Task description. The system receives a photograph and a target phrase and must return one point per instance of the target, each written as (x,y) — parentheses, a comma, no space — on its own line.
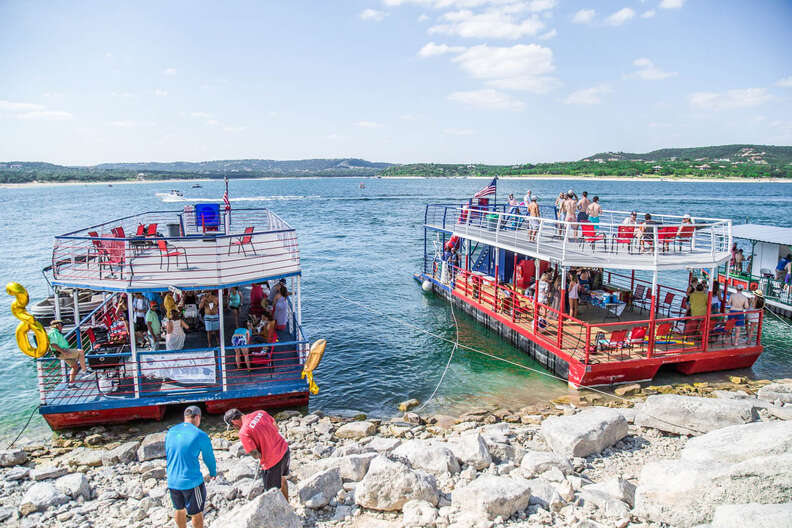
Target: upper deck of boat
(667,244)
(155,250)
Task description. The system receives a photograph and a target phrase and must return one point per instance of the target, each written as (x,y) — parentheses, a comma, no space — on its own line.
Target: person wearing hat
(259,435)
(739,304)
(74,357)
(183,444)
(153,325)
(631,220)
(752,318)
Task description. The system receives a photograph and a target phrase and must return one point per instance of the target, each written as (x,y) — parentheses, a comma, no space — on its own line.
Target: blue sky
(495,81)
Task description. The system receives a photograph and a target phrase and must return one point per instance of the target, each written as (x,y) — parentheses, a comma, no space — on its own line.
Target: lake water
(364,244)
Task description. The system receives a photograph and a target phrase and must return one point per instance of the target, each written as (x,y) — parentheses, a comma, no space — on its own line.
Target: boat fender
(28,323)
(426,285)
(314,357)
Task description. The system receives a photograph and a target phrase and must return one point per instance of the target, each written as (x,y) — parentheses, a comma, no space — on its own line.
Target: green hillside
(771,154)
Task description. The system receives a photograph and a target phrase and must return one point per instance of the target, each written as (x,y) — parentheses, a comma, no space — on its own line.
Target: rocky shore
(715,455)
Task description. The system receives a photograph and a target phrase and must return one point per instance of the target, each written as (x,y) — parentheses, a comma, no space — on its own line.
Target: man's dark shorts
(272,476)
(191,500)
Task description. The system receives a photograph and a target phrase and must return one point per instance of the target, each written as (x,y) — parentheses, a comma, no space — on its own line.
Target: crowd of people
(737,304)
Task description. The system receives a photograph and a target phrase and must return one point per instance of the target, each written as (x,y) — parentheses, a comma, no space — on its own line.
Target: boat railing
(667,243)
(595,342)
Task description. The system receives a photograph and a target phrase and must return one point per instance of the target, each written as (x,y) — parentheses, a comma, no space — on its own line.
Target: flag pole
(226,200)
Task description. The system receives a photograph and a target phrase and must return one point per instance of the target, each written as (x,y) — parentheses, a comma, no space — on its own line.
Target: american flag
(226,201)
(489,189)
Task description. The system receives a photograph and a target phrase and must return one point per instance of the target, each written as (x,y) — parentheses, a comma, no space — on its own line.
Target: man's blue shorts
(191,500)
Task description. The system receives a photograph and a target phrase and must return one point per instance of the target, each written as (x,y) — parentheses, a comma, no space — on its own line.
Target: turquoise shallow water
(364,244)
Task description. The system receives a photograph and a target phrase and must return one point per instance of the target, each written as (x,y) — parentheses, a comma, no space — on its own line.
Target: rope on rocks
(30,417)
(504,360)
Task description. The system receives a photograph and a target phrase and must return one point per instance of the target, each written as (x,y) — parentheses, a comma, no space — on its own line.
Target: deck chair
(168,252)
(590,234)
(625,235)
(722,330)
(639,297)
(241,242)
(669,299)
(685,235)
(666,235)
(617,341)
(96,249)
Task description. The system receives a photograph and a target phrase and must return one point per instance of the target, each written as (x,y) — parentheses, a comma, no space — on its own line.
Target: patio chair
(664,332)
(640,296)
(138,240)
(617,341)
(97,251)
(168,252)
(590,234)
(241,242)
(722,330)
(666,235)
(669,298)
(685,235)
(625,235)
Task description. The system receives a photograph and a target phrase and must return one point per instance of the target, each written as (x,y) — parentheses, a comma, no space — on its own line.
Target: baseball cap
(686,216)
(153,303)
(192,410)
(739,287)
(56,321)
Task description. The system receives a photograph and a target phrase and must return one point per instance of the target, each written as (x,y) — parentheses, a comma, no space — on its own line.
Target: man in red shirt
(259,435)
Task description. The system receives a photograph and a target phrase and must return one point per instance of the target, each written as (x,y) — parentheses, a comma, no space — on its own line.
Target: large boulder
(320,488)
(380,444)
(545,494)
(268,510)
(74,485)
(616,488)
(471,449)
(537,462)
(350,467)
(40,496)
(586,433)
(152,446)
(753,515)
(741,463)
(12,457)
(389,485)
(418,513)
(123,454)
(356,430)
(776,391)
(693,415)
(47,472)
(493,496)
(432,458)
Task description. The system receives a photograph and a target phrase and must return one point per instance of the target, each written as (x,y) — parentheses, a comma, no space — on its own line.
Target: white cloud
(432,50)
(373,14)
(335,137)
(423,17)
(128,124)
(659,125)
(169,71)
(160,93)
(523,5)
(369,124)
(588,96)
(671,4)
(547,36)
(46,115)
(10,106)
(584,16)
(541,5)
(32,111)
(730,99)
(519,67)
(125,95)
(213,122)
(409,117)
(649,14)
(200,115)
(786,82)
(494,23)
(620,17)
(488,98)
(648,71)
(229,128)
(458,132)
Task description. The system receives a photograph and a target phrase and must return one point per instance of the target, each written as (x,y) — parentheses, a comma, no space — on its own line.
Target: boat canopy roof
(763,233)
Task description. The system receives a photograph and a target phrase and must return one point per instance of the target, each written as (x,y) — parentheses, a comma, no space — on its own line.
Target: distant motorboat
(176,193)
(196,186)
(362,185)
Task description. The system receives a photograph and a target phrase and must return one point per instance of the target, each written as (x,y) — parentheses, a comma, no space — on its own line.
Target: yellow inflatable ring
(28,323)
(314,357)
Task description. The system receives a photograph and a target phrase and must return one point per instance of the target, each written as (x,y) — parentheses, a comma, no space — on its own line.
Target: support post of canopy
(632,288)
(652,315)
(497,259)
(514,287)
(222,338)
(133,345)
(706,330)
(76,301)
(298,309)
(57,302)
(725,287)
(562,306)
(537,268)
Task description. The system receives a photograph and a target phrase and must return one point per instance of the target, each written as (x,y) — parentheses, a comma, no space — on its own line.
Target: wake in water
(169,198)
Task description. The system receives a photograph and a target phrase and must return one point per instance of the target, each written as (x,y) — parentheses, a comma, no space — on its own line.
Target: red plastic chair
(685,234)
(151,231)
(590,234)
(617,341)
(141,230)
(242,241)
(664,331)
(640,296)
(665,235)
(626,235)
(637,335)
(166,252)
(669,298)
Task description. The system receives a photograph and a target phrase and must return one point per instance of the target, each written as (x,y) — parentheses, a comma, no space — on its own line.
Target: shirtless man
(594,210)
(533,223)
(582,207)
(211,310)
(569,207)
(739,304)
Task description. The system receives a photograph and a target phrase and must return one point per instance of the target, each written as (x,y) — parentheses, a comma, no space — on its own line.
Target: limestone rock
(470,449)
(269,509)
(47,472)
(616,488)
(356,430)
(418,513)
(493,496)
(123,454)
(408,404)
(753,515)
(152,446)
(12,457)
(585,433)
(351,467)
(389,485)
(537,462)
(432,458)
(383,445)
(627,390)
(320,488)
(236,450)
(240,471)
(545,494)
(782,413)
(74,485)
(776,391)
(17,473)
(678,414)
(40,496)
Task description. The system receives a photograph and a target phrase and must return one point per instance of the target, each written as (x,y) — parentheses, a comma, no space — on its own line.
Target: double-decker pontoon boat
(200,249)
(488,261)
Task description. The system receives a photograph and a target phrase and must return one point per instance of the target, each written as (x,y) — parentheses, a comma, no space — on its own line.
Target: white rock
(249,489)
(12,457)
(585,433)
(356,430)
(616,488)
(388,485)
(493,496)
(693,415)
(753,515)
(236,450)
(47,472)
(74,485)
(269,509)
(40,496)
(240,471)
(418,513)
(17,473)
(470,449)
(123,454)
(776,391)
(782,413)
(537,462)
(615,509)
(220,444)
(152,446)
(545,494)
(351,467)
(433,458)
(383,445)
(317,491)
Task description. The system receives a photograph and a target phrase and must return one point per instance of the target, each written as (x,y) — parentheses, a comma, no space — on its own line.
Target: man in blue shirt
(183,444)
